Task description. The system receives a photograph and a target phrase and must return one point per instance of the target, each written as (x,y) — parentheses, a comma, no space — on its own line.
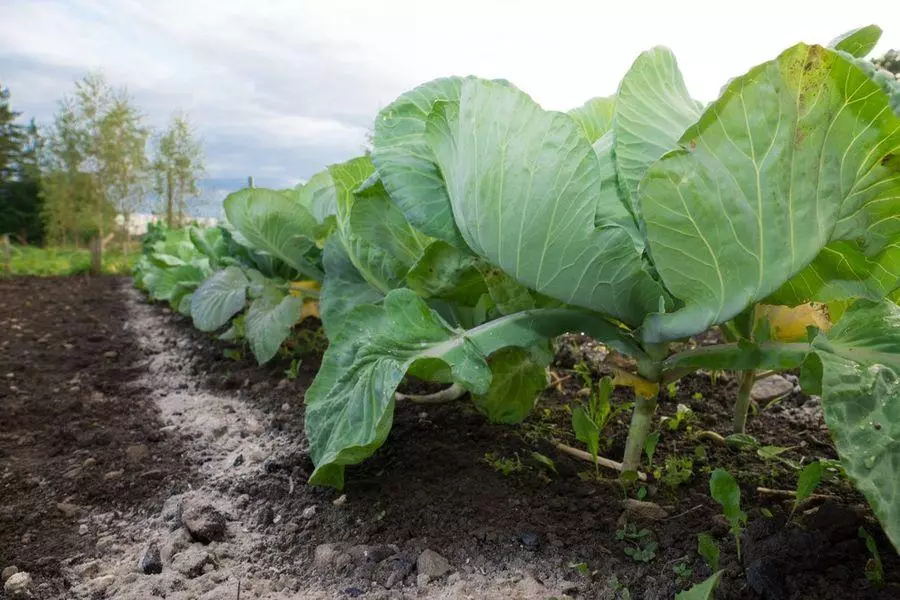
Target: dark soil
(69,432)
(432,485)
(436,483)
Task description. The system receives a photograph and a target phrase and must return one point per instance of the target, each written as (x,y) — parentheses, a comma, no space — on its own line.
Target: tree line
(66,182)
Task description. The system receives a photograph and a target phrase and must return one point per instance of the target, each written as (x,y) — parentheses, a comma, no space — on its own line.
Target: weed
(292,371)
(503,465)
(707,548)
(683,573)
(650,446)
(874,568)
(641,548)
(675,471)
(725,491)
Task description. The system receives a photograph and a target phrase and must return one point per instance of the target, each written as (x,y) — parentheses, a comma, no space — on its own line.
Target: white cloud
(285,87)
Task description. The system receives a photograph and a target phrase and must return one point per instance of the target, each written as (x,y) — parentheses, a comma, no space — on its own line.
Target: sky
(280,89)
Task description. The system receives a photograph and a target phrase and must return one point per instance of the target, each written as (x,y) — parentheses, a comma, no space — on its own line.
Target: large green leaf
(377,238)
(524,185)
(842,271)
(798,153)
(343,289)
(518,375)
(318,196)
(173,282)
(350,404)
(406,163)
(741,356)
(272,222)
(219,298)
(269,321)
(595,116)
(653,109)
(857,42)
(860,387)
(447,273)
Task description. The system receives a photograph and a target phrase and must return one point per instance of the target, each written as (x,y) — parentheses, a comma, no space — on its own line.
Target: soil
(123,410)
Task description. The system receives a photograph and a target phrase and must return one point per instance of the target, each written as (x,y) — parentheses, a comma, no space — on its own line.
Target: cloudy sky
(279,89)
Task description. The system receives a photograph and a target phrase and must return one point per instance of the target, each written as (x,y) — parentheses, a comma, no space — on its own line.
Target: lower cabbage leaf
(350,405)
(856,369)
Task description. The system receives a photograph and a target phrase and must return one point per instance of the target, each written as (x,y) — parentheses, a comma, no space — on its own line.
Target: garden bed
(119,416)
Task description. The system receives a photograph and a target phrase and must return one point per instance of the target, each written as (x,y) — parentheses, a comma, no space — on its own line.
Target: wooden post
(7,254)
(250,181)
(96,255)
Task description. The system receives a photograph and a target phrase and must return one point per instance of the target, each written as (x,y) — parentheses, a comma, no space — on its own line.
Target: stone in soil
(8,572)
(192,562)
(770,388)
(432,564)
(204,522)
(643,511)
(326,555)
(68,509)
(151,562)
(18,586)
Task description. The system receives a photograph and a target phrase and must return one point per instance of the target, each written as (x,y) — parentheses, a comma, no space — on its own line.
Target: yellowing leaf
(642,387)
(789,324)
(299,287)
(310,309)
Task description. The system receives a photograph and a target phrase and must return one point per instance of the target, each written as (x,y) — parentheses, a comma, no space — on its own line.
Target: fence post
(7,254)
(96,255)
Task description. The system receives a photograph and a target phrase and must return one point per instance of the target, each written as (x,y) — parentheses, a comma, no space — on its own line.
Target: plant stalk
(743,401)
(644,409)
(597,460)
(450,394)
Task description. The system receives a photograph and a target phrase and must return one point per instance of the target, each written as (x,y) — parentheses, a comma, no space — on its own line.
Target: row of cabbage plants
(482,226)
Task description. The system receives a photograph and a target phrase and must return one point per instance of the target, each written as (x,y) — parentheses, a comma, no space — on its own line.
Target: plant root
(603,462)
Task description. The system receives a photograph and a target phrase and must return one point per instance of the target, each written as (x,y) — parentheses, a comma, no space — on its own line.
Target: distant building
(139,222)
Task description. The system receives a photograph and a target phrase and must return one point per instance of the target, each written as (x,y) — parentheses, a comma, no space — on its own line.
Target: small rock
(110,354)
(432,564)
(192,562)
(340,500)
(643,511)
(113,475)
(529,539)
(422,580)
(18,585)
(371,554)
(253,427)
(285,407)
(151,562)
(204,522)
(171,512)
(137,453)
(8,572)
(68,510)
(309,512)
(326,555)
(83,529)
(770,388)
(99,585)
(238,460)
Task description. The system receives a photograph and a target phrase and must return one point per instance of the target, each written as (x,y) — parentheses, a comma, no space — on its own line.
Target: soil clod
(204,522)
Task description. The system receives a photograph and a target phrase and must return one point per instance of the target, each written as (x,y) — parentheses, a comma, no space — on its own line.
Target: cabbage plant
(640,219)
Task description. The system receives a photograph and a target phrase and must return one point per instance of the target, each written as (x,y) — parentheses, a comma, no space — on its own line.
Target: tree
(889,62)
(97,161)
(177,168)
(20,148)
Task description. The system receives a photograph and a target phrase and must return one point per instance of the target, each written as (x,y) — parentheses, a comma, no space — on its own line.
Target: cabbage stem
(743,401)
(454,392)
(641,418)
